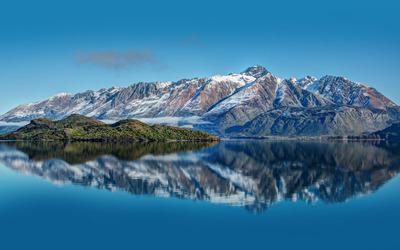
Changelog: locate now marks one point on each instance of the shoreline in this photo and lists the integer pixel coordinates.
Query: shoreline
(304, 139)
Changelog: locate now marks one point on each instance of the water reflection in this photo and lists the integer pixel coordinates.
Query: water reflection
(253, 174)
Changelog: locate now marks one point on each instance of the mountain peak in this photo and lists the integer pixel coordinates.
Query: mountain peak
(333, 78)
(256, 71)
(61, 95)
(79, 120)
(306, 81)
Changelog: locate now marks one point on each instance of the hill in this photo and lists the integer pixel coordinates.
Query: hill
(80, 128)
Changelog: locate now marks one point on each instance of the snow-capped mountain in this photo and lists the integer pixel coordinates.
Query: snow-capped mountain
(222, 102)
(342, 91)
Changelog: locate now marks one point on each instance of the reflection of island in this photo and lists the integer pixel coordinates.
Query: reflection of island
(254, 174)
(81, 152)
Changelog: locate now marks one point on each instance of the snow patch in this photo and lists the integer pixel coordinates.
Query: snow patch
(280, 92)
(238, 78)
(162, 85)
(313, 86)
(242, 95)
(60, 95)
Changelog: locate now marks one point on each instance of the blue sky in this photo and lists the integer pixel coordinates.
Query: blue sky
(48, 47)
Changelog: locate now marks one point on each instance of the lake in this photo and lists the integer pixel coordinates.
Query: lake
(230, 195)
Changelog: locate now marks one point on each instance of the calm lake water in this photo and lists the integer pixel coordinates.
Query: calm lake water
(231, 195)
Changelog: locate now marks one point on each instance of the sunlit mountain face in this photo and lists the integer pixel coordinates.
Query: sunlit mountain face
(252, 174)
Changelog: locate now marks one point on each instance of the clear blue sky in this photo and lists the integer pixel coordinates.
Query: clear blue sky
(48, 47)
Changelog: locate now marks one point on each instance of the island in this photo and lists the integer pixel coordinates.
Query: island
(81, 128)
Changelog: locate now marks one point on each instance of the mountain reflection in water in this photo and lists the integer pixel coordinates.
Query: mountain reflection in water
(253, 174)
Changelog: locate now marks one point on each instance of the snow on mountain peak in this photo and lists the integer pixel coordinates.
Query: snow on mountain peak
(308, 79)
(280, 92)
(256, 71)
(239, 78)
(162, 85)
(60, 95)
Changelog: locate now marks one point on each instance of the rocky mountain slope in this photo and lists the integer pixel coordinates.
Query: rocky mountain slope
(329, 120)
(389, 134)
(81, 128)
(232, 104)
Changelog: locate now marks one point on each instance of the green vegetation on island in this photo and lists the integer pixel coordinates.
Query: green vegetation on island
(81, 128)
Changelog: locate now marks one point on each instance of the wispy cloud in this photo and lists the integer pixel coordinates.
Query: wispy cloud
(112, 59)
(194, 40)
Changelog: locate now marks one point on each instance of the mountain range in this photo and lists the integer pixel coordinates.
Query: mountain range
(251, 103)
(254, 174)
